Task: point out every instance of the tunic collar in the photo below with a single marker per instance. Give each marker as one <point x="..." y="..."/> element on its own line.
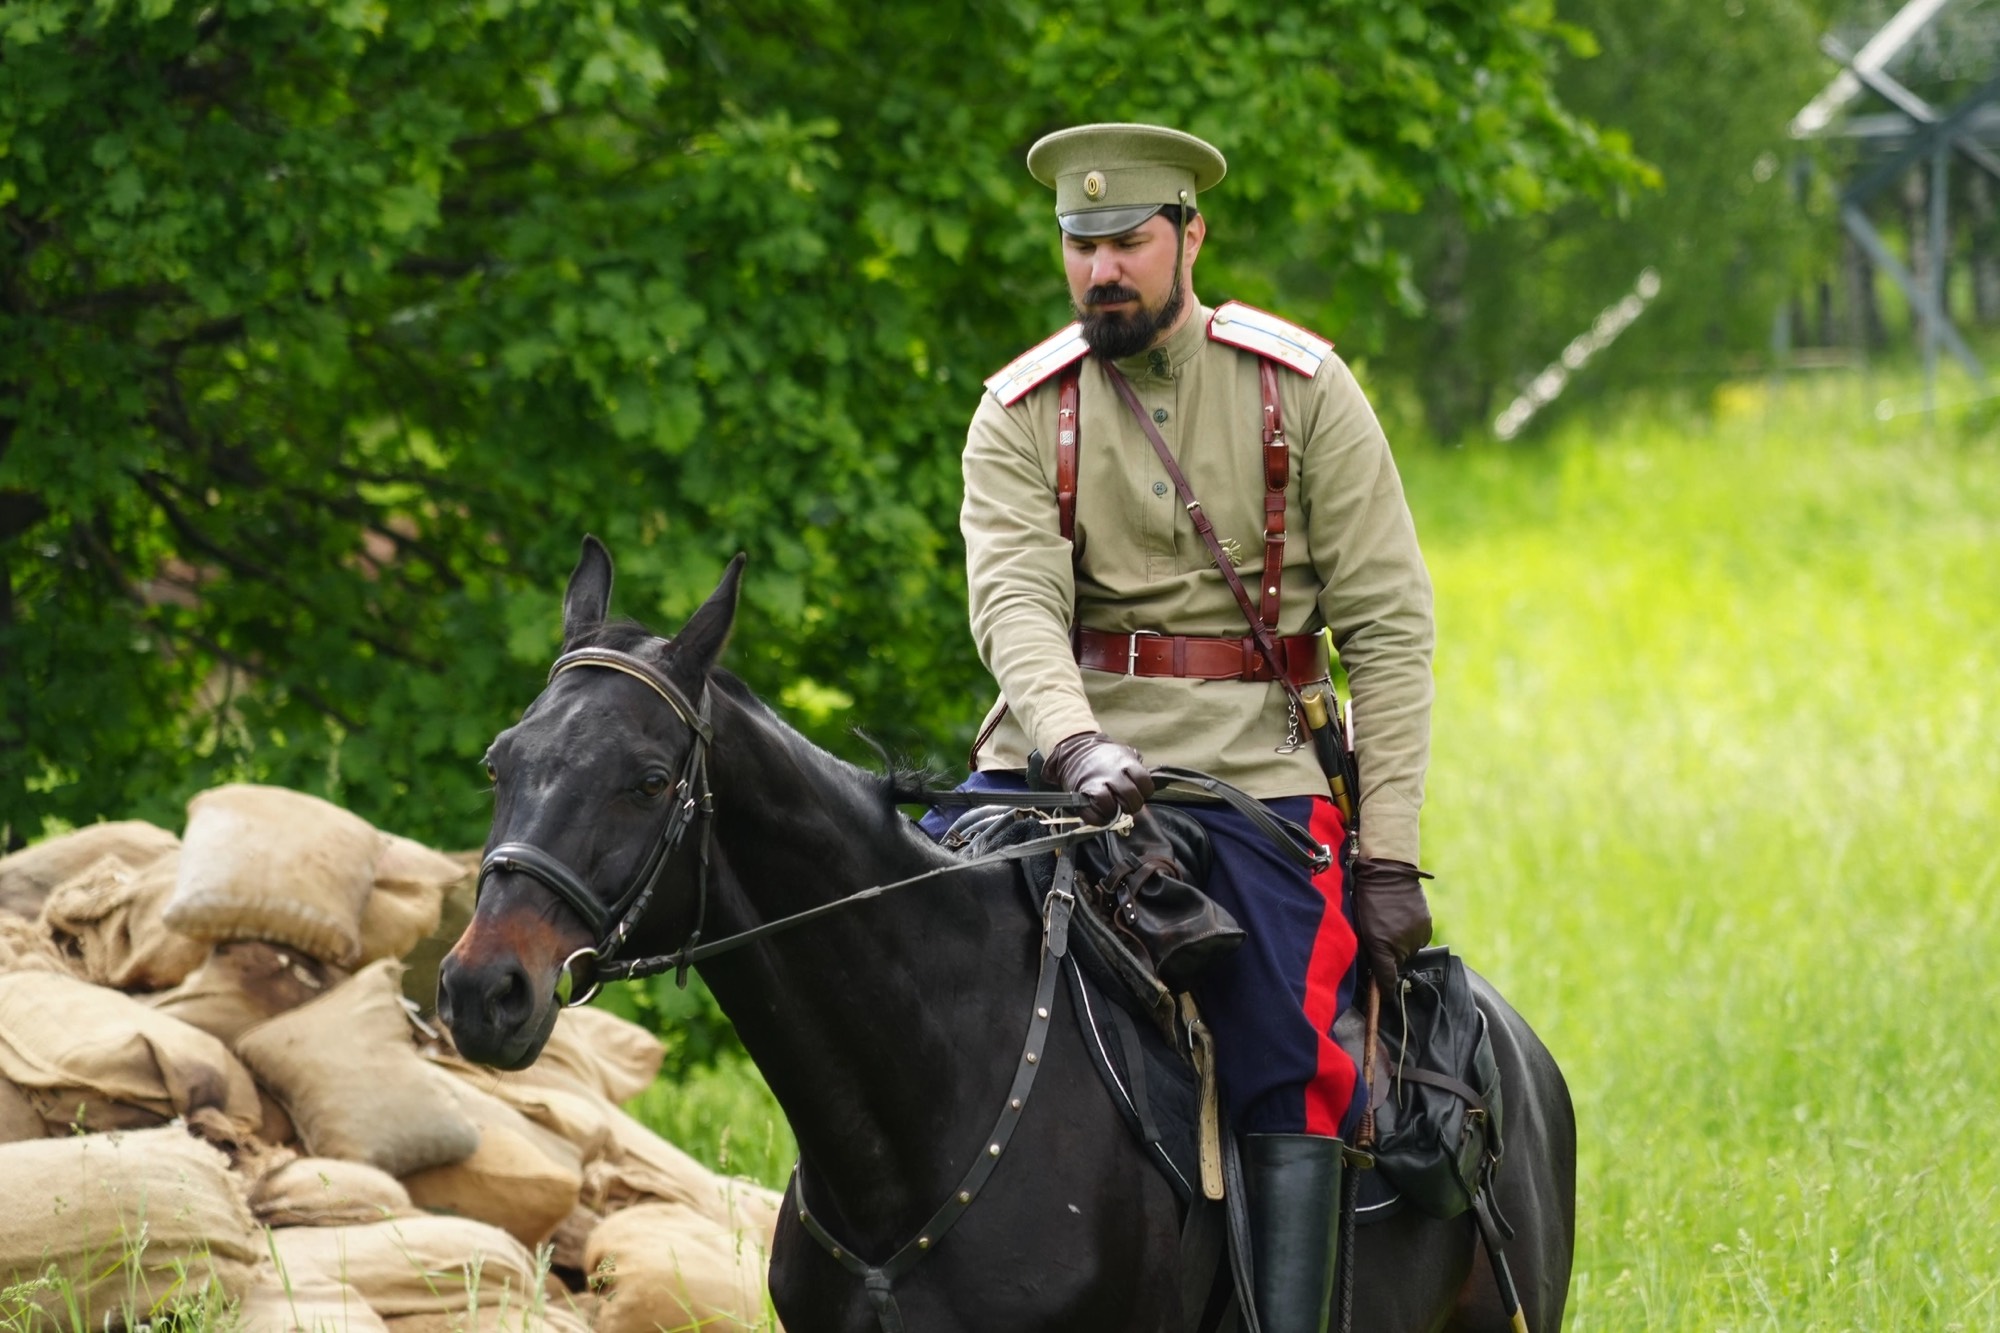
<point x="1163" y="362"/>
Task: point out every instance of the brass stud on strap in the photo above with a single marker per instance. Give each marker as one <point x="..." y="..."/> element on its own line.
<point x="923" y="1242"/>
<point x="1014" y="1105"/>
<point x="1041" y="1013"/>
<point x="965" y="1196"/>
<point x="992" y="1150"/>
<point x="1032" y="1057"/>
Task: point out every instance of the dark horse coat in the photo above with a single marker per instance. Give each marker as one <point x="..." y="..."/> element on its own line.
<point x="890" y="1031"/>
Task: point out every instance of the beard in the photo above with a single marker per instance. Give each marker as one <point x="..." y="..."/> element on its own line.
<point x="1115" y="334"/>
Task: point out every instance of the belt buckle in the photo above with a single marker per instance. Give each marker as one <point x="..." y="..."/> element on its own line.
<point x="1132" y="648"/>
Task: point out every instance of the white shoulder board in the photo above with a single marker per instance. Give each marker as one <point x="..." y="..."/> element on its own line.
<point x="1011" y="383"/>
<point x="1261" y="332"/>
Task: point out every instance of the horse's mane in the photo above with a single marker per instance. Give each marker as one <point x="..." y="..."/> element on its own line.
<point x="898" y="783"/>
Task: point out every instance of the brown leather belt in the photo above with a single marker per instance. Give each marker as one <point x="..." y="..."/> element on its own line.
<point x="1190" y="657"/>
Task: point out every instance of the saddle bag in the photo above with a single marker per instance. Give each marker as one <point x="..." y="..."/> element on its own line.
<point x="1437" y="1126"/>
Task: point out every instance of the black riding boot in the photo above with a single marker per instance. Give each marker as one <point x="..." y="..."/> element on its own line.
<point x="1292" y="1183"/>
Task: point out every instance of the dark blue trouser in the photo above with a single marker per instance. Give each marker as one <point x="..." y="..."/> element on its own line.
<point x="1272" y="1003"/>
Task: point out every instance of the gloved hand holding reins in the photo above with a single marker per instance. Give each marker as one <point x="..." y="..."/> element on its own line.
<point x="1111" y="777"/>
<point x="1391" y="917"/>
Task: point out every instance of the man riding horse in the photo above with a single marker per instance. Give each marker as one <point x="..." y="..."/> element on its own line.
<point x="1100" y="608"/>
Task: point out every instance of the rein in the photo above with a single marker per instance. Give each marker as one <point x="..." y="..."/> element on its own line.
<point x="694" y="800"/>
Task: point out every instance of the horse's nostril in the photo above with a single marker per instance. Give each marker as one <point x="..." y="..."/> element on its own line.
<point x="509" y="1001"/>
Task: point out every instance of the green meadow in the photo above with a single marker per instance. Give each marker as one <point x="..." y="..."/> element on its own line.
<point x="1714" y="800"/>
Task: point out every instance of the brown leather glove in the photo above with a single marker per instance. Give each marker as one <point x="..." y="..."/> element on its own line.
<point x="1390" y="915"/>
<point x="1112" y="777"/>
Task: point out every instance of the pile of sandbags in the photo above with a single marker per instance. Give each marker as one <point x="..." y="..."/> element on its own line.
<point x="214" y="1089"/>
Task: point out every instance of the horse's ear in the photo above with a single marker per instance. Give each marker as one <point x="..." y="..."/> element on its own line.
<point x="699" y="644"/>
<point x="588" y="597"/>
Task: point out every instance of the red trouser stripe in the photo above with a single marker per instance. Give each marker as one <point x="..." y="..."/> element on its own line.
<point x="1332" y="1087"/>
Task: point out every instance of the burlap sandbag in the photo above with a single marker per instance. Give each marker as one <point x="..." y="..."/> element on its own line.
<point x="550" y="1317"/>
<point x="27" y="876"/>
<point x="18" y="1117"/>
<point x="25" y="946"/>
<point x="596" y="1051"/>
<point x="264" y="863"/>
<point x="414" y="1265"/>
<point x="120" y="1217"/>
<point x="581" y="1119"/>
<point x="571" y="1236"/>
<point x="91" y="1058"/>
<point x="346" y="1072"/>
<point x="663" y="1265"/>
<point x="108" y="921"/>
<point x="420" y="981"/>
<point x="243" y="982"/>
<point x="522" y="1178"/>
<point x="407" y="900"/>
<point x="276" y="1305"/>
<point x="641" y="1167"/>
<point x="326" y="1191"/>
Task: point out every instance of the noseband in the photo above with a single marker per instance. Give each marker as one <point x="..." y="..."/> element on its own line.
<point x="691" y="799"/>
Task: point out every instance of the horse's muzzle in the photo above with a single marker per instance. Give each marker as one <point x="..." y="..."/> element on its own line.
<point x="496" y="1011"/>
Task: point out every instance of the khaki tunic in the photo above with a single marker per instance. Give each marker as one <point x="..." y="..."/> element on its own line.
<point x="1351" y="565"/>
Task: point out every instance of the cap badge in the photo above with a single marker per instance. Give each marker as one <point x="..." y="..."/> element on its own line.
<point x="1093" y="184"/>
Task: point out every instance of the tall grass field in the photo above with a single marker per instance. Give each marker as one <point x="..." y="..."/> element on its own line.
<point x="1715" y="800"/>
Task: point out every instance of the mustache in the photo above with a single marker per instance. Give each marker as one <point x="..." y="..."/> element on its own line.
<point x="1109" y="293"/>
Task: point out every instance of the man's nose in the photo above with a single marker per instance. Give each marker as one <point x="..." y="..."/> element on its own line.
<point x="1106" y="270"/>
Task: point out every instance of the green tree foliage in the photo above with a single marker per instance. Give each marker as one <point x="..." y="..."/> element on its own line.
<point x="1707" y="89"/>
<point x="328" y="328"/>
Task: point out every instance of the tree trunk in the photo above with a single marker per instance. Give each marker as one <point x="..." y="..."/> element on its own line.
<point x="1451" y="401"/>
<point x="1864" y="313"/>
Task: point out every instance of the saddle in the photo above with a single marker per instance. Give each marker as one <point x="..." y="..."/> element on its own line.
<point x="1147" y="1043"/>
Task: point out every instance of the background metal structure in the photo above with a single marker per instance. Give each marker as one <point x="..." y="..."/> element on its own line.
<point x="1912" y="136"/>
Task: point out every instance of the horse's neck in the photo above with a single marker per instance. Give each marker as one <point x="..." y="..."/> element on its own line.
<point x="888" y="1030"/>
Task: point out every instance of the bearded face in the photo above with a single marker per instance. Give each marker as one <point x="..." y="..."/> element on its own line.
<point x="1125" y="289"/>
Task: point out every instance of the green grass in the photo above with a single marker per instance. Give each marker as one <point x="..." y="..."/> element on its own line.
<point x="724" y="1117"/>
<point x="1714" y="799"/>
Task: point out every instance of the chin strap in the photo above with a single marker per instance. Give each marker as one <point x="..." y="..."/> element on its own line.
<point x="1180" y="243"/>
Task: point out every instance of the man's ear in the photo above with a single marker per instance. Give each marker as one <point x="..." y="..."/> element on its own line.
<point x="588" y="596"/>
<point x="1197" y="232"/>
<point x="697" y="648"/>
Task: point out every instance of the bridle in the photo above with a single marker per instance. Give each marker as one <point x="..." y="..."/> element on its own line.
<point x="691" y="799"/>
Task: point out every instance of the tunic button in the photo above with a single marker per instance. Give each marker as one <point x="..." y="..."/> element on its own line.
<point x="1160" y="414"/>
<point x="1159" y="488"/>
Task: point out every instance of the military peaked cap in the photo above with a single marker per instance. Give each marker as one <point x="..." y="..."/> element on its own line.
<point x="1110" y="178"/>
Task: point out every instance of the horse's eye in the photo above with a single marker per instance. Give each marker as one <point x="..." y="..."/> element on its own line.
<point x="654" y="784"/>
<point x="492" y="773"/>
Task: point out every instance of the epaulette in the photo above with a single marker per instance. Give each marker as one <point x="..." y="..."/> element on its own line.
<point x="1011" y="383"/>
<point x="1264" y="333"/>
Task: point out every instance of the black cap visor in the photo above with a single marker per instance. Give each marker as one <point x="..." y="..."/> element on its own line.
<point x="1093" y="224"/>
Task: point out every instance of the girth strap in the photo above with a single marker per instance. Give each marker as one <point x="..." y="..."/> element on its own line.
<point x="878" y="1280"/>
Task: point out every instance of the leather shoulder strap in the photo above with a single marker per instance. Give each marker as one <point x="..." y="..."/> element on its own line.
<point x="1066" y="442"/>
<point x="1277" y="477"/>
<point x="1013" y="381"/>
<point x="1262" y="332"/>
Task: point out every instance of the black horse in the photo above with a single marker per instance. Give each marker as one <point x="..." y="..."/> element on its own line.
<point x="890" y="1031"/>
